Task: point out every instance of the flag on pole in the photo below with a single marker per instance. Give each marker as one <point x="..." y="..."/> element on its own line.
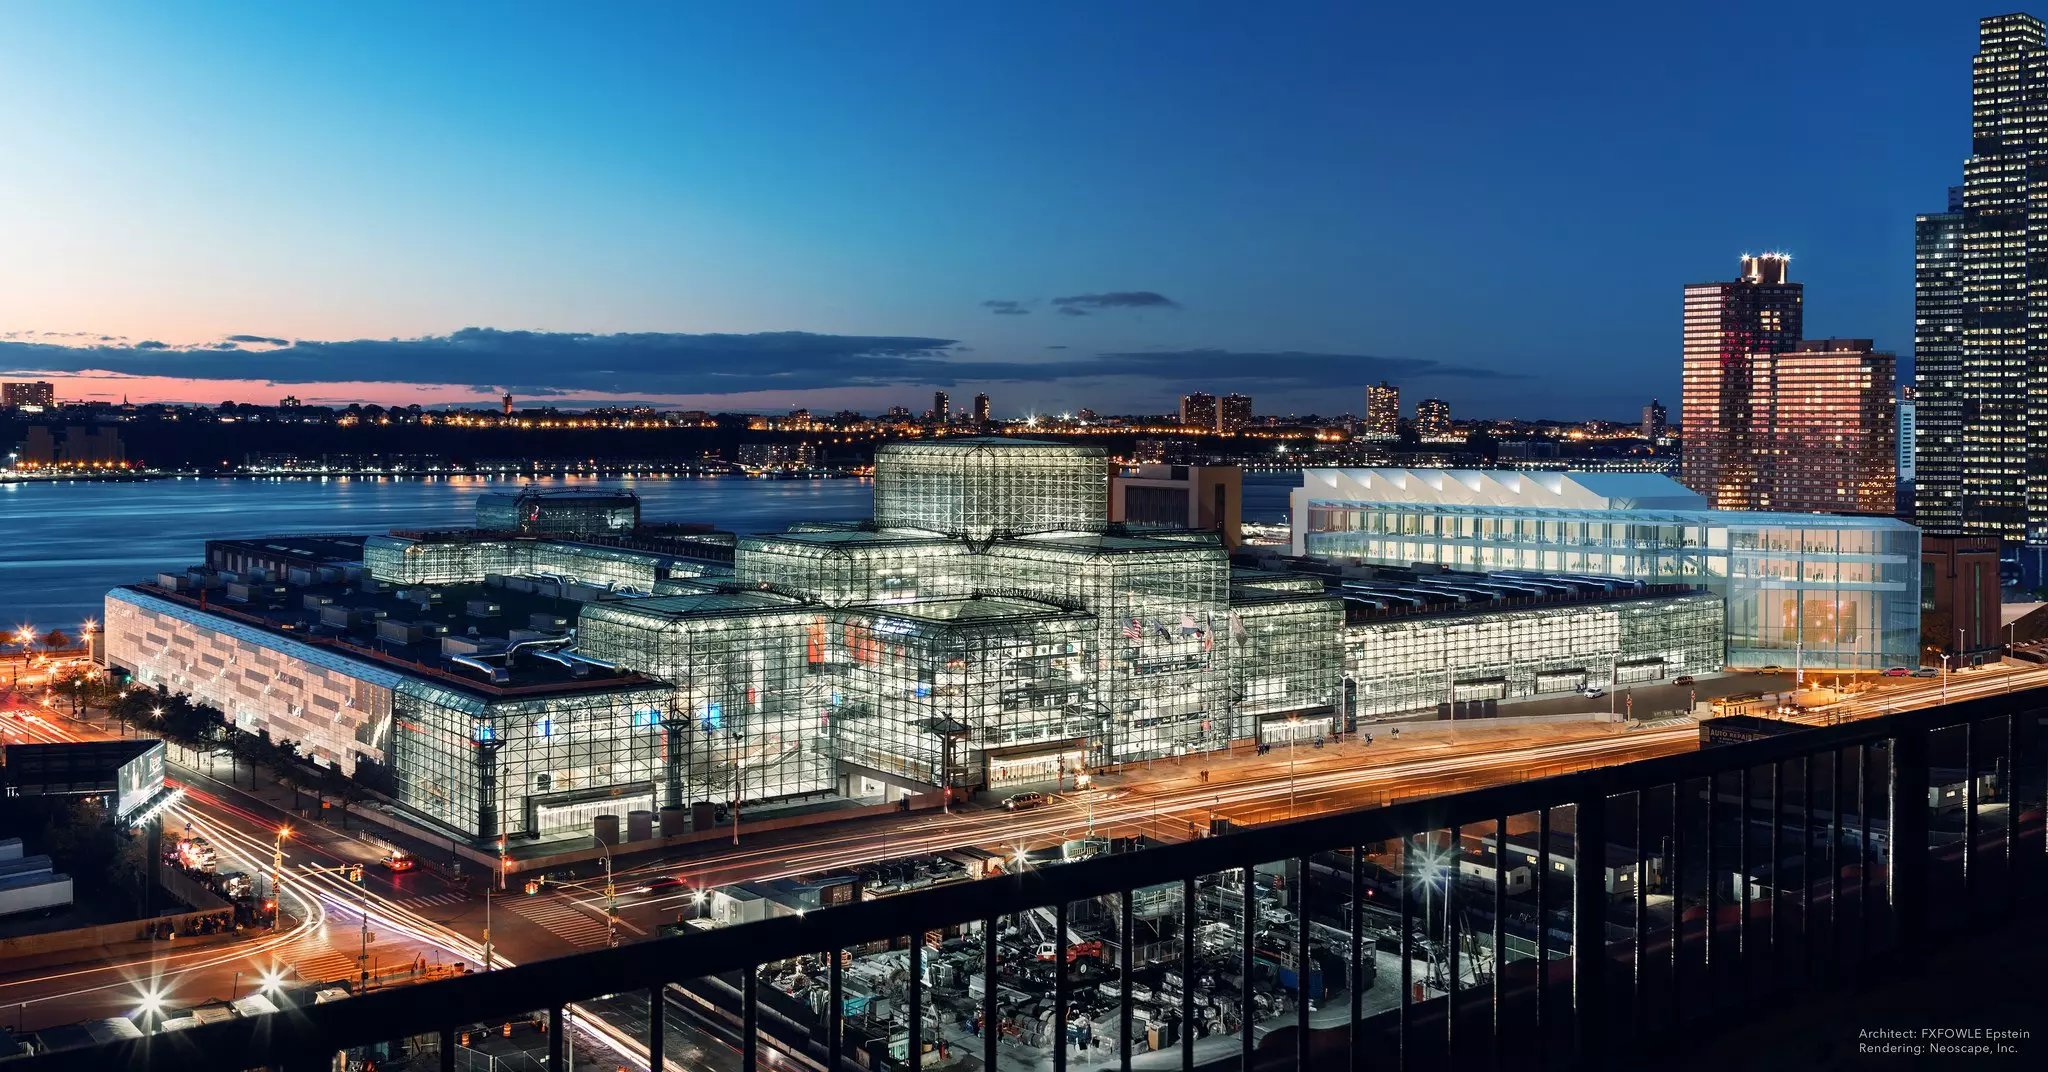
<point x="1237" y="632"/>
<point x="1187" y="624"/>
<point x="1133" y="630"/>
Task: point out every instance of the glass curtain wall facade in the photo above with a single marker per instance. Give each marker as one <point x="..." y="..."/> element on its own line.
<point x="1814" y="589"/>
<point x="492" y="768"/>
<point x="1937" y="369"/>
<point x="1286" y="652"/>
<point x="754" y="685"/>
<point x="462" y="558"/>
<point x="1407" y="662"/>
<point x="844" y="566"/>
<point x="473" y="762"/>
<point x="977" y="489"/>
<point x="943" y="682"/>
<point x="2003" y="436"/>
<point x="1160" y="608"/>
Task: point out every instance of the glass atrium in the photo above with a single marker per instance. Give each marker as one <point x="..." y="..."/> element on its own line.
<point x="1817" y="590"/>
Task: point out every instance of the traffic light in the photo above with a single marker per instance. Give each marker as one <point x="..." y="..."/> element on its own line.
<point x="355" y="874"/>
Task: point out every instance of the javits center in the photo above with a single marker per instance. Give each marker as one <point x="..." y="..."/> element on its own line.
<point x="986" y="629"/>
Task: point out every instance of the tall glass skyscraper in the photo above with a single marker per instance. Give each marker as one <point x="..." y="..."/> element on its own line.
<point x="1727" y="325"/>
<point x="1937" y="469"/>
<point x="1983" y="451"/>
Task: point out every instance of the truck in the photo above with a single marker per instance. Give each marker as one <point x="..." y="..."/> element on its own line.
<point x="42" y="892"/>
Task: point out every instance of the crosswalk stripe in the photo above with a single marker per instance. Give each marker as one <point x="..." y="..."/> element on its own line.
<point x="434" y="899"/>
<point x="327" y="966"/>
<point x="565" y="921"/>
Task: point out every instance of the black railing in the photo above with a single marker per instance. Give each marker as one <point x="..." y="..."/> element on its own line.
<point x="1540" y="923"/>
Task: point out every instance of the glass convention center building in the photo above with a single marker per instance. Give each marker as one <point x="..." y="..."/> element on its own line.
<point x="1815" y="590"/>
<point x="987" y="628"/>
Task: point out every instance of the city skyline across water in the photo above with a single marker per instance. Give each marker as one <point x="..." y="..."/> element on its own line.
<point x="71" y="541"/>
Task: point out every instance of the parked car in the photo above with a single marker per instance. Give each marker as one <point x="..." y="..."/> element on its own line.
<point x="1594" y="691"/>
<point x="1770" y="668"/>
<point x="1682" y="679"/>
<point x="1927" y="671"/>
<point x="1897" y="671"/>
<point x="1023" y="801"/>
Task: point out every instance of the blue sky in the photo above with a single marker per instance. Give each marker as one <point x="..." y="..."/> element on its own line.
<point x="1494" y="203"/>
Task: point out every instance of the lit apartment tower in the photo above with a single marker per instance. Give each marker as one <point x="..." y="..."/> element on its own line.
<point x="1824" y="414"/>
<point x="1198" y="411"/>
<point x="1383" y="412"/>
<point x="1935" y="478"/>
<point x="1656" y="422"/>
<point x="506" y="402"/>
<point x="32" y="393"/>
<point x="942" y="407"/>
<point x="1432" y="420"/>
<point x="1984" y="415"/>
<point x="981" y="411"/>
<point x="1726" y="326"/>
<point x="1233" y="412"/>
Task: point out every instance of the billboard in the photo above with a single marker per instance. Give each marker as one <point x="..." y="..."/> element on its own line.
<point x="138" y="780"/>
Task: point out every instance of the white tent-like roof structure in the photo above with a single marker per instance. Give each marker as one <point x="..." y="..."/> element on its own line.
<point x="1502" y="488"/>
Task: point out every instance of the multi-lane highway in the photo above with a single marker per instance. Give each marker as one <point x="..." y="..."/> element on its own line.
<point x="318" y="937"/>
<point x="439" y="918"/>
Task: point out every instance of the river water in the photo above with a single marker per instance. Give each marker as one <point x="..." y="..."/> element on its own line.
<point x="63" y="544"/>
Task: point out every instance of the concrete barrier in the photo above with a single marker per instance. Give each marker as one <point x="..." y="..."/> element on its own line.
<point x="1418" y="729"/>
<point x="85" y="938"/>
<point x="489" y="862"/>
<point x="918" y="802"/>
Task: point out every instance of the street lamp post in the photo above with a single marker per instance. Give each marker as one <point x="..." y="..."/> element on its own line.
<point x="487" y="926"/>
<point x="354" y="873"/>
<point x="1944" y="676"/>
<point x="1293" y="731"/>
<point x="277" y="875"/>
<point x="611" y="900"/>
<point x="739" y="769"/>
<point x="363" y="961"/>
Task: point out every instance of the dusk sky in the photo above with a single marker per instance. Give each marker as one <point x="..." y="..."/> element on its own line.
<point x="754" y="206"/>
